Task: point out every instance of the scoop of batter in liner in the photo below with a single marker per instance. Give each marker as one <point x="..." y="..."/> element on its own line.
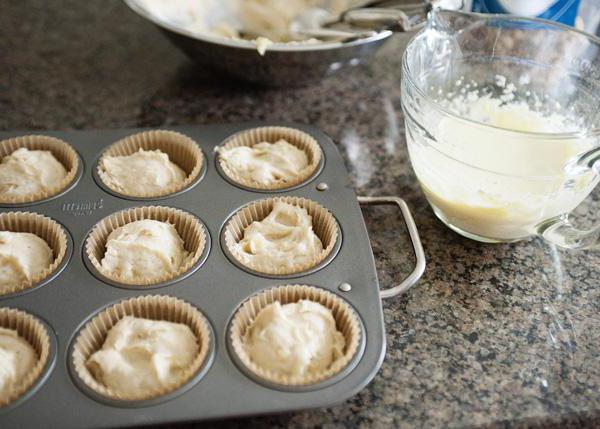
<point x="144" y="249"/>
<point x="17" y="359"/>
<point x="23" y="256"/>
<point x="294" y="339"/>
<point x="141" y="173"/>
<point x="266" y="163"/>
<point x="141" y="354"/>
<point x="28" y="172"/>
<point x="281" y="240"/>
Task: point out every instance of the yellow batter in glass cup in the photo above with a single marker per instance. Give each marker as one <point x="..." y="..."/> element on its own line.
<point x="503" y="124"/>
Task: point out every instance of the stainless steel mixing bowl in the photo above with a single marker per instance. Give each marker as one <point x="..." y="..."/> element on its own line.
<point x="282" y="64"/>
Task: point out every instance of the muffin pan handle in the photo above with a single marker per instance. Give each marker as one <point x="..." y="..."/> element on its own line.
<point x="419" y="269"/>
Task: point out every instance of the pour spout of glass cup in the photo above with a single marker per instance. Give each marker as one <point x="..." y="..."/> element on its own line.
<point x="559" y="230"/>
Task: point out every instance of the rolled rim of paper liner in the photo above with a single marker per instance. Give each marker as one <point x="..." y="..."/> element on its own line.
<point x="251" y="137"/>
<point x="35" y="333"/>
<point x="62" y="151"/>
<point x="188" y="226"/>
<point x="182" y="151"/>
<point x="324" y="226"/>
<point x="346" y="320"/>
<point x="48" y="230"/>
<point x="92" y="335"/>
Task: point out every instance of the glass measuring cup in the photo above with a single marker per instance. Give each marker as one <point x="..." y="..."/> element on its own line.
<point x="503" y="124"/>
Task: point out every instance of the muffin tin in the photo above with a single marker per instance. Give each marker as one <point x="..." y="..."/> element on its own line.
<point x="217" y="287"/>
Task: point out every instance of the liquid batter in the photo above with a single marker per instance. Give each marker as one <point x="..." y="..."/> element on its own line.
<point x="493" y="183"/>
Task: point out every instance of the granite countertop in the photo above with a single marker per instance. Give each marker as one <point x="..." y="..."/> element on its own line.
<point x="493" y="335"/>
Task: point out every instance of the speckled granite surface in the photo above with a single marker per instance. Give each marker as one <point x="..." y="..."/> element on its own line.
<point x="494" y="336"/>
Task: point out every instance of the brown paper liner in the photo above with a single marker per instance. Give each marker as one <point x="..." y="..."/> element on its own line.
<point x="154" y="307"/>
<point x="45" y="228"/>
<point x="61" y="150"/>
<point x="189" y="228"/>
<point x="35" y="333"/>
<point x="346" y="322"/>
<point x="181" y="150"/>
<point x="254" y="136"/>
<point x="324" y="225"/>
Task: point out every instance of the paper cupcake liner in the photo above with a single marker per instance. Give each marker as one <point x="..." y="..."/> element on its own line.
<point x="61" y="150"/>
<point x="346" y="321"/>
<point x="324" y="225"/>
<point x="181" y="150"/>
<point x="300" y="139"/>
<point x="45" y="228"/>
<point x="34" y="332"/>
<point x="189" y="228"/>
<point x="154" y="307"/>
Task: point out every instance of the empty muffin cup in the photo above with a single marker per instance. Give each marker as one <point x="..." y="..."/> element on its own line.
<point x="45" y="228"/>
<point x="35" y="333"/>
<point x="182" y="151"/>
<point x="188" y="227"/>
<point x="323" y="223"/>
<point x="251" y="137"/>
<point x="92" y="335"/>
<point x="61" y="150"/>
<point x="346" y="321"/>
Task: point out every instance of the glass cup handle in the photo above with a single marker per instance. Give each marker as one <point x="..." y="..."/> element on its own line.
<point x="559" y="229"/>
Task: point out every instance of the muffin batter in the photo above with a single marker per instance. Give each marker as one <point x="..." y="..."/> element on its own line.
<point x="273" y="20"/>
<point x="146" y="172"/>
<point x="141" y="354"/>
<point x="294" y="339"/>
<point x="22" y="257"/>
<point x="266" y="162"/>
<point x="281" y="240"/>
<point x="17" y="358"/>
<point x="28" y="172"/>
<point x="495" y="184"/>
<point x="143" y="249"/>
<point x="277" y="20"/>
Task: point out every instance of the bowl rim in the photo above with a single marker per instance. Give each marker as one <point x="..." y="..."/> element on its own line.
<point x="251" y="44"/>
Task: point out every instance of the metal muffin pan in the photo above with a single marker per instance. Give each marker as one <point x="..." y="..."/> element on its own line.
<point x="217" y="288"/>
